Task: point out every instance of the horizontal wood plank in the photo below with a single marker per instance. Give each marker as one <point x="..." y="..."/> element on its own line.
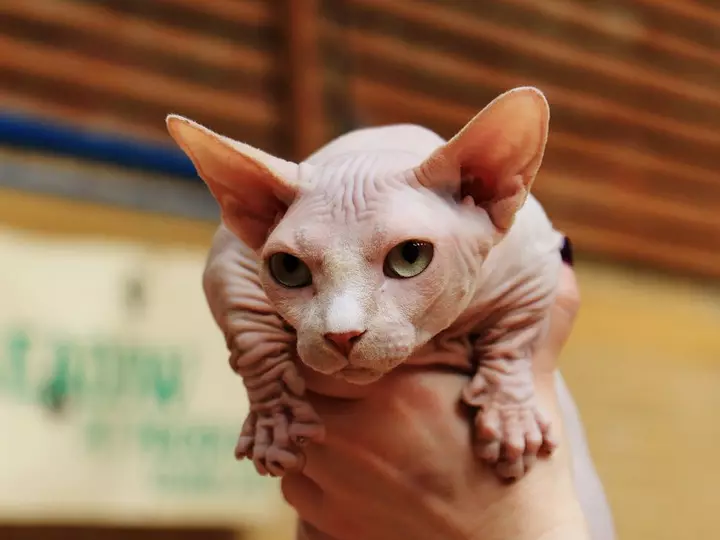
<point x="253" y="12"/>
<point x="89" y="118"/>
<point x="108" y="26"/>
<point x="525" y="42"/>
<point x="624" y="29"/>
<point x="382" y="48"/>
<point x="686" y="8"/>
<point x="177" y="96"/>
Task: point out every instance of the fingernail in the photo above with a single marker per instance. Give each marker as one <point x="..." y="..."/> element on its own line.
<point x="567" y="252"/>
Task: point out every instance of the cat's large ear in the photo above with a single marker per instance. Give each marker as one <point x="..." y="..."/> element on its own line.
<point x="495" y="157"/>
<point x="252" y="187"/>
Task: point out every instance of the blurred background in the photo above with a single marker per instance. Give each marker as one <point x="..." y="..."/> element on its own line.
<point x="117" y="408"/>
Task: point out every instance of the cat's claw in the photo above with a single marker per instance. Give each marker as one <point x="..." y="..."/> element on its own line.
<point x="274" y="442"/>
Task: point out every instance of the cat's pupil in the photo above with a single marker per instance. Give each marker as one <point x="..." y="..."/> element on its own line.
<point x="411" y="252"/>
<point x="290" y="263"/>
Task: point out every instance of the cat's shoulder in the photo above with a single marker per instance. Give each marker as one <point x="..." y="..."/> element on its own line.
<point x="529" y="251"/>
<point x="533" y="227"/>
<point x="528" y="258"/>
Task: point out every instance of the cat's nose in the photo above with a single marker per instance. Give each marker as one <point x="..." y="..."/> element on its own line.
<point x="344" y="341"/>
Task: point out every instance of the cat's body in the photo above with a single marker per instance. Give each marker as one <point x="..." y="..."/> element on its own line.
<point x="384" y="245"/>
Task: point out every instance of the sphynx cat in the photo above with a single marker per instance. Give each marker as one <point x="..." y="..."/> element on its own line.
<point x="386" y="244"/>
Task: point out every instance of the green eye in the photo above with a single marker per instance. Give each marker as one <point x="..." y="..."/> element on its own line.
<point x="408" y="259"/>
<point x="289" y="271"/>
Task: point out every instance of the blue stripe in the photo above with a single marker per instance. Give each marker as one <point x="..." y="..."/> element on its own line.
<point x="29" y="132"/>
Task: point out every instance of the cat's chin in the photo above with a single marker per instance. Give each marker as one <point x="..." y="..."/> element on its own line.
<point x="357" y="375"/>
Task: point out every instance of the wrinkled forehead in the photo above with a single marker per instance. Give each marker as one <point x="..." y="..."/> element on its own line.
<point x="363" y="167"/>
<point x="366" y="219"/>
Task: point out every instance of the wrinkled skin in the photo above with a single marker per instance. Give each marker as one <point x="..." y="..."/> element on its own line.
<point x="467" y="325"/>
<point x="325" y="251"/>
<point x="396" y="459"/>
<point x="403" y="467"/>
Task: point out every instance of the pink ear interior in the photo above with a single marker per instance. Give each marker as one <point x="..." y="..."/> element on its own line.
<point x="251" y="187"/>
<point x="496" y="156"/>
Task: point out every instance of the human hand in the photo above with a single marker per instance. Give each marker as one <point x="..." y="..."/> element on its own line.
<point x="398" y="463"/>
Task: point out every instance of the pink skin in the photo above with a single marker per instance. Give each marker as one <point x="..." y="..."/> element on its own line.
<point x="483" y="287"/>
<point x="396" y="460"/>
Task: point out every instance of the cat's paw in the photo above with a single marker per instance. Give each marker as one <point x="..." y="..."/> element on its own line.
<point x="510" y="429"/>
<point x="510" y="436"/>
<point x="274" y="442"/>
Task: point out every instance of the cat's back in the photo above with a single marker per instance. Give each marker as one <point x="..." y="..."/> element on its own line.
<point x="400" y="138"/>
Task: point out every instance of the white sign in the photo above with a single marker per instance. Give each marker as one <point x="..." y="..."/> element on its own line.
<point x="116" y="399"/>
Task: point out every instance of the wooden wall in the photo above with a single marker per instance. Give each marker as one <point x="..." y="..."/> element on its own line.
<point x="633" y="165"/>
<point x="122" y="65"/>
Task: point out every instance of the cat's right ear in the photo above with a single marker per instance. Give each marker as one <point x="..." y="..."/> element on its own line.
<point x="252" y="187"/>
<point x="494" y="159"/>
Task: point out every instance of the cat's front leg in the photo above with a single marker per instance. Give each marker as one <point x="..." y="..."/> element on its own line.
<point x="262" y="351"/>
<point x="511" y="427"/>
<point x="281" y="421"/>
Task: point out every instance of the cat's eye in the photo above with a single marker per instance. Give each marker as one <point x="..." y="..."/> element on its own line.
<point x="408" y="259"/>
<point x="289" y="271"/>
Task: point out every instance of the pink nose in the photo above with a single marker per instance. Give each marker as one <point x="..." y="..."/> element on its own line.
<point x="344" y="341"/>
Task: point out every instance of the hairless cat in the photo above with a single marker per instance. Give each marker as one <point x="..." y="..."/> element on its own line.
<point x="386" y="244"/>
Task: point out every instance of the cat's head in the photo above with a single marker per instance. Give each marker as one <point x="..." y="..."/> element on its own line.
<point x="371" y="255"/>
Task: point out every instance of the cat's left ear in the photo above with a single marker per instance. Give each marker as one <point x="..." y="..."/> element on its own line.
<point x="495" y="157"/>
<point x="252" y="187"/>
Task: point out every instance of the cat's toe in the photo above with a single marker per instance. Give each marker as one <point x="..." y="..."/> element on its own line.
<point x="244" y="447"/>
<point x="280" y="461"/>
<point x="512" y="470"/>
<point x="488" y="451"/>
<point x="246" y="440"/>
<point x="514" y="441"/>
<point x="510" y="439"/>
